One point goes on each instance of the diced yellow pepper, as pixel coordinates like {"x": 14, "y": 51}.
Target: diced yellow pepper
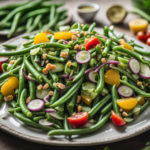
{"x": 141, "y": 100}
{"x": 9, "y": 86}
{"x": 40, "y": 38}
{"x": 87, "y": 99}
{"x": 127, "y": 103}
{"x": 138, "y": 25}
{"x": 63, "y": 35}
{"x": 125, "y": 45}
{"x": 112, "y": 77}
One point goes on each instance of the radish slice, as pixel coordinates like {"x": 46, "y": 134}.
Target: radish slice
{"x": 35, "y": 105}
{"x": 134, "y": 65}
{"x": 44, "y": 122}
{"x": 125, "y": 91}
{"x": 50, "y": 110}
{"x": 87, "y": 71}
{"x": 45, "y": 99}
{"x": 83, "y": 57}
{"x": 3, "y": 59}
{"x": 56, "y": 116}
{"x": 43, "y": 93}
{"x": 28, "y": 78}
{"x": 144, "y": 71}
{"x": 91, "y": 76}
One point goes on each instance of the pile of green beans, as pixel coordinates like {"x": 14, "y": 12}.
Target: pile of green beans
{"x": 96, "y": 97}
{"x": 30, "y": 15}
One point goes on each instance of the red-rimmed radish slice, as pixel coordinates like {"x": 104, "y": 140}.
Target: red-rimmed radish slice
{"x": 41, "y": 94}
{"x": 28, "y": 78}
{"x": 50, "y": 110}
{"x": 125, "y": 91}
{"x": 45, "y": 99}
{"x": 3, "y": 59}
{"x": 44, "y": 122}
{"x": 91, "y": 76}
{"x": 87, "y": 71}
{"x": 66, "y": 75}
{"x": 134, "y": 65}
{"x": 35, "y": 105}
{"x": 144, "y": 71}
{"x": 56, "y": 116}
{"x": 83, "y": 57}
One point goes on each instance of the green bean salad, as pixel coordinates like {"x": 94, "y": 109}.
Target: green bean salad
{"x": 72, "y": 82}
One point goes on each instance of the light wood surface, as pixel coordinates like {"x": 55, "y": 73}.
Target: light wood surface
{"x": 9, "y": 142}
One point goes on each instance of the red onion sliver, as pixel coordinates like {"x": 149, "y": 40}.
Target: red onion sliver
{"x": 71, "y": 78}
{"x": 37, "y": 61}
{"x": 66, "y": 42}
{"x": 27, "y": 76}
{"x": 87, "y": 71}
{"x": 49, "y": 110}
{"x": 45, "y": 99}
{"x": 3, "y": 59}
{"x": 66, "y": 75}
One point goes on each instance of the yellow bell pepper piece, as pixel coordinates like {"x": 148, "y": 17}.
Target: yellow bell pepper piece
{"x": 141, "y": 100}
{"x": 138, "y": 25}
{"x": 125, "y": 45}
{"x": 87, "y": 99}
{"x": 127, "y": 103}
{"x": 63, "y": 35}
{"x": 9, "y": 86}
{"x": 40, "y": 38}
{"x": 112, "y": 77}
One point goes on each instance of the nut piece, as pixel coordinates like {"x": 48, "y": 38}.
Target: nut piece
{"x": 146, "y": 84}
{"x": 40, "y": 87}
{"x": 79, "y": 108}
{"x": 78, "y": 35}
{"x": 28, "y": 99}
{"x": 139, "y": 83}
{"x": 51, "y": 93}
{"x": 64, "y": 54}
{"x": 73, "y": 37}
{"x": 85, "y": 33}
{"x": 86, "y": 40}
{"x": 12, "y": 62}
{"x": 45, "y": 71}
{"x": 73, "y": 114}
{"x": 78, "y": 98}
{"x": 76, "y": 32}
{"x": 60, "y": 85}
{"x": 103, "y": 60}
{"x": 45, "y": 86}
{"x": 121, "y": 109}
{"x": 8, "y": 98}
{"x": 82, "y": 25}
{"x": 69, "y": 63}
{"x": 30, "y": 74}
{"x": 76, "y": 47}
{"x": 44, "y": 56}
{"x": 124, "y": 114}
{"x": 46, "y": 61}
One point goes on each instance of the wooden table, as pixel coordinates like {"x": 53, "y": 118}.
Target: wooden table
{"x": 9, "y": 142}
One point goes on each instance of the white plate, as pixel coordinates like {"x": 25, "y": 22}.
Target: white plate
{"x": 107, "y": 134}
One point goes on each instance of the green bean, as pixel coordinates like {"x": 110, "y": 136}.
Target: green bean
{"x": 93, "y": 54}
{"x": 2, "y": 83}
{"x": 46, "y": 80}
{"x": 39, "y": 113}
{"x": 92, "y": 62}
{"x": 32, "y": 89}
{"x": 113, "y": 36}
{"x": 92, "y": 129}
{"x": 36, "y": 119}
{"x": 132, "y": 54}
{"x": 107, "y": 47}
{"x": 145, "y": 105}
{"x": 99, "y": 105}
{"x": 101, "y": 39}
{"x": 12, "y": 103}
{"x": 100, "y": 83}
{"x": 9, "y": 46}
{"x": 97, "y": 99}
{"x": 136, "y": 89}
{"x": 3, "y": 13}
{"x": 14, "y": 24}
{"x": 35, "y": 73}
{"x": 111, "y": 28}
{"x": 12, "y": 110}
{"x": 17, "y": 62}
{"x": 91, "y": 27}
{"x": 1, "y": 98}
{"x": 146, "y": 53}
{"x": 85, "y": 27}
{"x": 28, "y": 44}
{"x": 107, "y": 108}
{"x": 36, "y": 65}
{"x": 10, "y": 73}
{"x": 55, "y": 96}
{"x": 69, "y": 94}
{"x": 53, "y": 76}
{"x": 81, "y": 73}
{"x": 22, "y": 103}
{"x": 71, "y": 102}
{"x": 29, "y": 23}
{"x": 105, "y": 31}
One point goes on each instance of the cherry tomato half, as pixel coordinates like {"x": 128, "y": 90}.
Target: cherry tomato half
{"x": 148, "y": 33}
{"x": 0, "y": 67}
{"x": 142, "y": 36}
{"x": 79, "y": 119}
{"x": 91, "y": 43}
{"x": 148, "y": 41}
{"x": 117, "y": 120}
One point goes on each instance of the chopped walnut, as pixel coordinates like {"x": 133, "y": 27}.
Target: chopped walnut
{"x": 49, "y": 52}
{"x": 78, "y": 98}
{"x": 40, "y": 87}
{"x": 124, "y": 114}
{"x": 51, "y": 93}
{"x": 79, "y": 108}
{"x": 48, "y": 66}
{"x": 102, "y": 47}
{"x": 103, "y": 94}
{"x": 139, "y": 83}
{"x": 30, "y": 74}
{"x": 53, "y": 67}
{"x": 8, "y": 98}
{"x": 45, "y": 86}
{"x": 76, "y": 32}
{"x": 28, "y": 100}
{"x": 46, "y": 61}
{"x": 60, "y": 85}
{"x": 13, "y": 50}
{"x": 92, "y": 37}
{"x": 85, "y": 33}
{"x": 73, "y": 37}
{"x": 86, "y": 40}
{"x": 25, "y": 42}
{"x": 45, "y": 71}
{"x": 78, "y": 35}
{"x": 76, "y": 47}
{"x": 103, "y": 60}
{"x": 44, "y": 56}
{"x": 69, "y": 63}
{"x": 121, "y": 109}
{"x": 73, "y": 114}
{"x": 121, "y": 41}
{"x": 64, "y": 54}
{"x": 12, "y": 61}
{"x": 82, "y": 25}
{"x": 17, "y": 66}
{"x": 146, "y": 84}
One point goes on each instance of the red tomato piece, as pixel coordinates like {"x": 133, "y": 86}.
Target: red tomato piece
{"x": 142, "y": 36}
{"x": 91, "y": 43}
{"x": 117, "y": 120}
{"x": 148, "y": 33}
{"x": 0, "y": 67}
{"x": 79, "y": 119}
{"x": 48, "y": 32}
{"x": 148, "y": 41}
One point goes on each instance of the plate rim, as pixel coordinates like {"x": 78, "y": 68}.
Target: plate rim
{"x": 68, "y": 142}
